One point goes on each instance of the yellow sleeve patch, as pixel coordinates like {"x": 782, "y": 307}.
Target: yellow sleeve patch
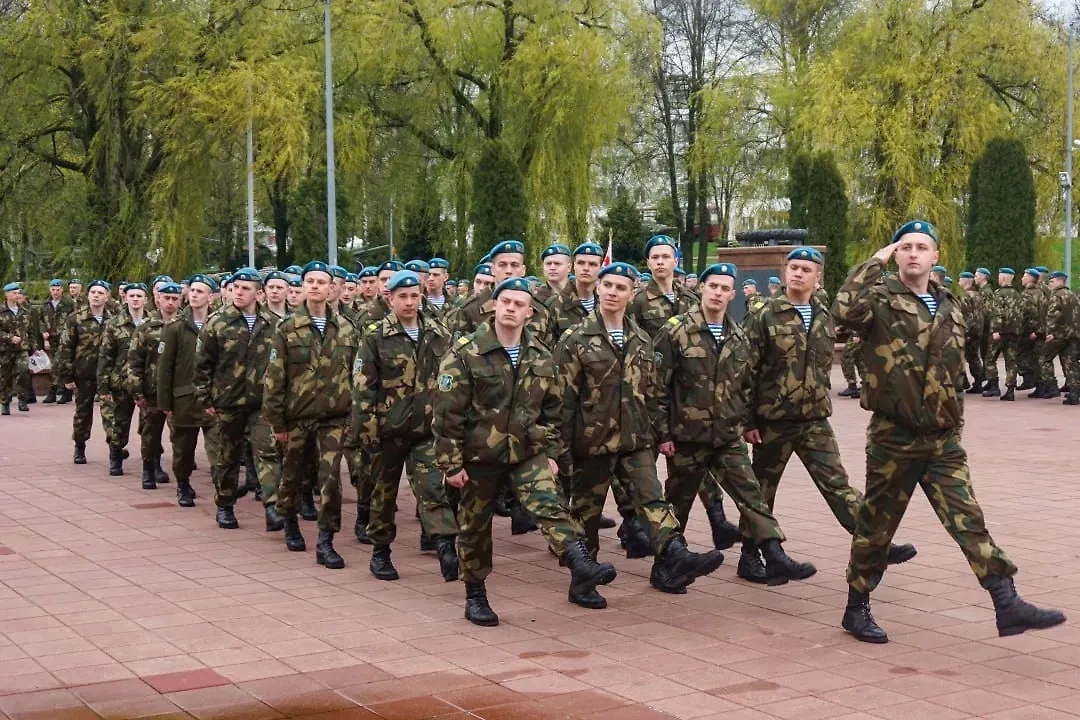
{"x": 674, "y": 321}
{"x": 463, "y": 341}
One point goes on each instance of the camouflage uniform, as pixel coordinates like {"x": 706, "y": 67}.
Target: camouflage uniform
{"x": 230, "y": 364}
{"x": 500, "y": 424}
{"x": 480, "y": 308}
{"x": 14, "y": 359}
{"x": 1061, "y": 322}
{"x": 393, "y": 393}
{"x": 307, "y": 394}
{"x": 53, "y": 318}
{"x": 702, "y": 406}
{"x": 915, "y": 376}
{"x": 986, "y": 297}
{"x": 566, "y": 307}
{"x": 77, "y": 362}
{"x": 609, "y": 398}
{"x": 116, "y": 412}
{"x": 851, "y": 360}
{"x": 141, "y": 384}
{"x": 1005, "y": 319}
{"x": 176, "y": 393}
{"x": 971, "y": 303}
{"x": 753, "y": 303}
{"x": 1033, "y": 322}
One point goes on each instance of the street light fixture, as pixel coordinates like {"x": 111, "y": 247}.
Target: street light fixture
{"x": 1065, "y": 178}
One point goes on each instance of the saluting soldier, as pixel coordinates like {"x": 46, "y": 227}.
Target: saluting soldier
{"x": 496, "y": 424}
{"x": 77, "y": 361}
{"x": 53, "y": 316}
{"x": 915, "y": 332}
{"x": 307, "y": 397}
{"x": 1006, "y": 317}
{"x": 607, "y": 367}
{"x": 117, "y": 404}
{"x": 141, "y": 383}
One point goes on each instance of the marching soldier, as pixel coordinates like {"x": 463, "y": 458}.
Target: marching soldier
{"x": 368, "y": 280}
{"x": 577, "y": 300}
{"x": 77, "y": 361}
{"x": 986, "y": 296}
{"x": 1061, "y": 335}
{"x": 1032, "y": 334}
{"x": 753, "y": 298}
{"x": 295, "y": 295}
{"x": 53, "y": 316}
{"x": 435, "y": 289}
{"x": 276, "y": 289}
{"x": 16, "y": 346}
{"x": 915, "y": 332}
{"x": 1006, "y": 316}
{"x": 851, "y": 365}
{"x": 117, "y": 404}
{"x": 75, "y": 291}
{"x": 775, "y": 287}
{"x": 556, "y": 261}
{"x": 971, "y": 303}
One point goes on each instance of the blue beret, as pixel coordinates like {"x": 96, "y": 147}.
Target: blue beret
{"x": 806, "y": 253}
{"x": 508, "y": 246}
{"x": 938, "y": 269}
{"x": 967, "y": 275}
{"x": 293, "y": 270}
{"x": 227, "y": 280}
{"x": 948, "y": 280}
{"x": 1006, "y": 271}
{"x": 316, "y": 266}
{"x": 619, "y": 269}
{"x": 657, "y": 241}
{"x": 983, "y": 271}
{"x": 368, "y": 271}
{"x": 775, "y": 281}
{"x": 747, "y": 281}
{"x": 511, "y": 284}
{"x": 556, "y": 249}
{"x": 915, "y": 226}
{"x": 646, "y": 276}
{"x": 162, "y": 278}
{"x": 589, "y": 248}
{"x": 451, "y": 283}
{"x": 418, "y": 266}
{"x": 483, "y": 269}
{"x": 338, "y": 271}
{"x": 295, "y": 282}
{"x": 247, "y": 275}
{"x": 463, "y": 280}
{"x": 438, "y": 262}
{"x": 403, "y": 279}
{"x": 352, "y": 278}
{"x": 74, "y": 281}
{"x": 56, "y": 282}
{"x": 1060, "y": 275}
{"x": 205, "y": 280}
{"x": 1042, "y": 268}
{"x": 680, "y": 271}
{"x": 12, "y": 286}
{"x": 391, "y": 265}
{"x": 99, "y": 283}
{"x": 135, "y": 286}
{"x": 1032, "y": 272}
{"x": 691, "y": 275}
{"x": 486, "y": 259}
{"x": 170, "y": 288}
{"x": 276, "y": 275}
{"x": 728, "y": 269}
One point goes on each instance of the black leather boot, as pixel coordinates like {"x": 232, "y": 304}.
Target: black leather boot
{"x": 65, "y": 397}
{"x": 750, "y": 566}
{"x": 976, "y": 388}
{"x": 993, "y": 389}
{"x": 859, "y": 622}
{"x": 585, "y": 575}
{"x": 226, "y": 519}
{"x": 607, "y": 523}
{"x": 780, "y": 568}
{"x": 521, "y": 520}
{"x": 185, "y": 494}
{"x": 325, "y": 554}
{"x": 1040, "y": 391}
{"x": 724, "y": 534}
{"x": 1014, "y": 615}
{"x": 5, "y": 409}
{"x": 274, "y": 522}
{"x": 360, "y": 527}
{"x": 899, "y": 554}
{"x": 477, "y": 610}
{"x": 1050, "y": 390}
{"x": 633, "y": 538}
{"x": 50, "y": 399}
{"x": 307, "y": 506}
{"x": 23, "y": 406}
{"x": 1010, "y": 394}
{"x": 850, "y": 390}
{"x": 116, "y": 461}
{"x": 427, "y": 543}
{"x": 500, "y": 506}
{"x": 1026, "y": 383}
{"x": 1073, "y": 398}
{"x": 448, "y": 558}
{"x": 80, "y": 453}
{"x": 381, "y": 566}
{"x": 148, "y": 481}
{"x": 160, "y": 476}
{"x": 294, "y": 539}
{"x": 677, "y": 567}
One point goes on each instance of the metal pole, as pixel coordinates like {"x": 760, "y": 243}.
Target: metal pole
{"x": 390, "y": 246}
{"x": 331, "y": 185}
{"x": 251, "y": 195}
{"x": 1068, "y": 160}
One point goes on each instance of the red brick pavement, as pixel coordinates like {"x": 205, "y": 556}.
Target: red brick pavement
{"x": 116, "y": 604}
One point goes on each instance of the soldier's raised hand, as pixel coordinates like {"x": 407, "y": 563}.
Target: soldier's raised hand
{"x": 885, "y": 254}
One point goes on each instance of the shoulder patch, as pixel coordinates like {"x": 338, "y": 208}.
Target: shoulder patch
{"x": 446, "y": 382}
{"x": 658, "y": 358}
{"x": 462, "y": 342}
{"x": 161, "y": 347}
{"x": 373, "y": 327}
{"x": 674, "y": 321}
{"x": 273, "y": 354}
{"x": 358, "y": 363}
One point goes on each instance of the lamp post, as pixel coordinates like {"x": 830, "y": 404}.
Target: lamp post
{"x": 1066, "y": 177}
{"x": 331, "y": 185}
{"x": 251, "y": 195}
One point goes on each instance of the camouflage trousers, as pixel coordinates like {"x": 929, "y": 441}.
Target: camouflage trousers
{"x": 328, "y": 436}
{"x": 695, "y": 464}
{"x": 1067, "y": 353}
{"x": 710, "y": 494}
{"x": 1028, "y": 352}
{"x": 896, "y": 461}
{"x": 974, "y": 358}
{"x": 435, "y": 499}
{"x": 538, "y": 492}
{"x": 814, "y": 443}
{"x": 1006, "y": 347}
{"x": 229, "y": 428}
{"x": 184, "y": 441}
{"x": 267, "y": 453}
{"x": 851, "y": 362}
{"x": 637, "y": 470}
{"x": 151, "y": 427}
{"x": 116, "y": 415}
{"x": 14, "y": 376}
{"x": 83, "y": 421}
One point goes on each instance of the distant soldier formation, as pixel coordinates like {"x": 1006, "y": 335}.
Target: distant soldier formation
{"x": 506, "y": 394}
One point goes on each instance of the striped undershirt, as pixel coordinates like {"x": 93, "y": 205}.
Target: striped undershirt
{"x": 671, "y": 297}
{"x": 589, "y": 303}
{"x": 250, "y": 320}
{"x": 412, "y": 332}
{"x": 931, "y": 303}
{"x": 514, "y": 353}
{"x": 807, "y": 313}
{"x": 320, "y": 324}
{"x": 717, "y": 330}
{"x": 617, "y": 337}
{"x": 438, "y": 301}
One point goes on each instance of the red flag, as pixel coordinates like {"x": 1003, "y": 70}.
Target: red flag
{"x": 607, "y": 256}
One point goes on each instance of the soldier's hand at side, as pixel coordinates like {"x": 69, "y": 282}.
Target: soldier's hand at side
{"x": 1049, "y": 338}
{"x": 667, "y": 449}
{"x": 996, "y": 336}
{"x": 281, "y": 437}
{"x": 752, "y": 436}
{"x": 1032, "y": 336}
{"x": 106, "y": 397}
{"x": 16, "y": 340}
{"x": 211, "y": 411}
{"x": 141, "y": 404}
{"x": 458, "y": 479}
{"x": 69, "y": 386}
{"x": 168, "y": 413}
{"x": 885, "y": 254}
{"x": 554, "y": 467}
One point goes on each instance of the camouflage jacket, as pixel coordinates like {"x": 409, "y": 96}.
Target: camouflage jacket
{"x": 650, "y": 309}
{"x": 566, "y": 307}
{"x": 609, "y": 394}
{"x": 394, "y": 381}
{"x": 230, "y": 361}
{"x": 79, "y": 345}
{"x": 113, "y": 353}
{"x": 914, "y": 363}
{"x": 176, "y": 372}
{"x": 489, "y": 412}
{"x": 545, "y": 292}
{"x": 142, "y": 360}
{"x": 753, "y": 303}
{"x": 52, "y": 319}
{"x": 1033, "y": 311}
{"x": 703, "y": 394}
{"x": 376, "y": 310}
{"x": 986, "y": 294}
{"x": 309, "y": 375}
{"x": 1006, "y": 314}
{"x": 971, "y": 303}
{"x": 789, "y": 368}
{"x": 1063, "y": 314}
{"x": 478, "y": 309}
{"x": 22, "y": 325}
